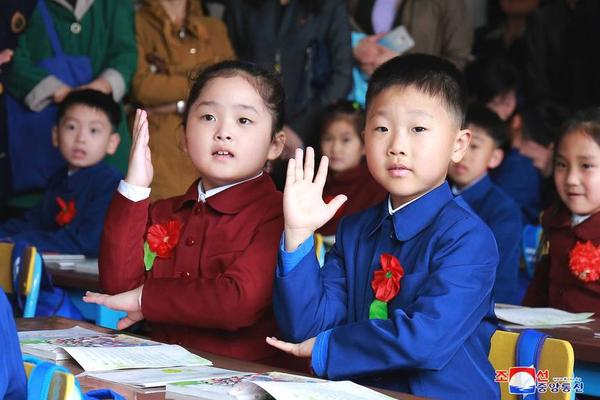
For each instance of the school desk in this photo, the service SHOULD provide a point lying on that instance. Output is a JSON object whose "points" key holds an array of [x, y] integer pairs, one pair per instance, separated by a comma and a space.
{"points": [[88, 383]]}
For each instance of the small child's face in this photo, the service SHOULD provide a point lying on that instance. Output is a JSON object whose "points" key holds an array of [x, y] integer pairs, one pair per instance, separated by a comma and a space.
{"points": [[577, 173], [228, 133], [410, 139], [84, 136], [504, 104], [481, 155], [342, 145]]}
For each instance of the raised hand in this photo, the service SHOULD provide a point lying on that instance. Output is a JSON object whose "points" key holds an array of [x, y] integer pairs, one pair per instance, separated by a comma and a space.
{"points": [[140, 170], [303, 349], [303, 207], [126, 301]]}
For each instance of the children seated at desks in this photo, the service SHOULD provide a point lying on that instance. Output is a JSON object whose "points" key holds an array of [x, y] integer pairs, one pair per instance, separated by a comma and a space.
{"points": [[200, 266], [342, 143], [404, 300], [470, 179], [567, 275], [13, 383], [70, 217]]}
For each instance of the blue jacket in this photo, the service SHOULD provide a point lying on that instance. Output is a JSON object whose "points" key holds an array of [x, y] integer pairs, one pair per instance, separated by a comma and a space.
{"points": [[521, 180], [13, 383], [92, 189], [503, 216], [437, 339]]}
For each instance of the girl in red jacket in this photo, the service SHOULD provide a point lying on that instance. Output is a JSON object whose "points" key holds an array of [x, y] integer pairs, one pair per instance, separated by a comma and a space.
{"points": [[199, 267], [568, 275], [341, 141]]}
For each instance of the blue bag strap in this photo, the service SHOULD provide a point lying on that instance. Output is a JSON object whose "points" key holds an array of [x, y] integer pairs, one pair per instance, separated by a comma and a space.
{"points": [[529, 350], [50, 28], [38, 384]]}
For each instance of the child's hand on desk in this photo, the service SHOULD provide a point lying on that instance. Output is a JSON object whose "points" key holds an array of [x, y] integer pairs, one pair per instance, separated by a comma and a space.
{"points": [[130, 302], [303, 349], [303, 207], [140, 170]]}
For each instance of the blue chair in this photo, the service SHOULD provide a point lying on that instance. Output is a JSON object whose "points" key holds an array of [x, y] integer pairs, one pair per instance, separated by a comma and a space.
{"points": [[25, 273]]}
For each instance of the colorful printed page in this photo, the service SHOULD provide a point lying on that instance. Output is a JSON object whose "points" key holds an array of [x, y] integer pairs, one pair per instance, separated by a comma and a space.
{"points": [[48, 343], [157, 377], [275, 385], [537, 317]]}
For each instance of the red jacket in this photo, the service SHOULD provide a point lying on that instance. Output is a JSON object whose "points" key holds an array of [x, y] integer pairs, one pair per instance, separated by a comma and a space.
{"points": [[362, 190], [214, 292], [553, 284]]}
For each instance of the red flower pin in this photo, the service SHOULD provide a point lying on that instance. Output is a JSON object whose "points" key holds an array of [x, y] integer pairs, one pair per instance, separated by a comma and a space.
{"points": [[385, 284], [584, 261], [67, 211], [161, 239]]}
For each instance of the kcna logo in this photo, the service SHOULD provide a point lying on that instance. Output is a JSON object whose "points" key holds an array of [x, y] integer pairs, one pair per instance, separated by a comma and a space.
{"points": [[526, 380]]}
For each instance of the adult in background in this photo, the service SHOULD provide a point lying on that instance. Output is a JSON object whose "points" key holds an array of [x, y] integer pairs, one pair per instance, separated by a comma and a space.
{"points": [[175, 41]]}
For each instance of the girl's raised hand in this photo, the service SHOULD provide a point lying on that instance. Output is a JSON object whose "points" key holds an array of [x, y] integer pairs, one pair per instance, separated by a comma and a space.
{"points": [[303, 207], [126, 301], [140, 170]]}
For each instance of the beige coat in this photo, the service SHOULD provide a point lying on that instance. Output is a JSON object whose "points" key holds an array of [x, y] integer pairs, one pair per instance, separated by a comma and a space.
{"points": [[166, 64]]}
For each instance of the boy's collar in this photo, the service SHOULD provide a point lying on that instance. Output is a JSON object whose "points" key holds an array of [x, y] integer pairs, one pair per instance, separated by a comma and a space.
{"points": [[415, 216], [475, 189], [232, 198]]}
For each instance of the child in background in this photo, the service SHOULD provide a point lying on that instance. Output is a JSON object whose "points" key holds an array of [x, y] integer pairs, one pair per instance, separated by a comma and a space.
{"points": [[70, 217], [568, 274], [204, 277], [438, 259], [342, 143], [494, 207]]}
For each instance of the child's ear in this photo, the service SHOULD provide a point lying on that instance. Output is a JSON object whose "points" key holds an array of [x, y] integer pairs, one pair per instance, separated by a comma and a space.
{"points": [[55, 136], [113, 143], [461, 144], [276, 146], [496, 158]]}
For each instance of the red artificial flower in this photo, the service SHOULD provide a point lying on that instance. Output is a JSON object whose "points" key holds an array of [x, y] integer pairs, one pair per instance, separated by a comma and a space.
{"points": [[584, 261], [162, 238], [386, 281], [67, 211]]}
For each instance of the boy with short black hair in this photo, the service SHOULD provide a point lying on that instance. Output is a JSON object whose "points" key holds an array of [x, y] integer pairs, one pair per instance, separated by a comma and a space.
{"points": [[438, 259], [70, 217], [470, 180]]}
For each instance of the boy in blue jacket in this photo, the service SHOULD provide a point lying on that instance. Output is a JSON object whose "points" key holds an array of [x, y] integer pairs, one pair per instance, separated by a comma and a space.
{"points": [[13, 383], [70, 217], [404, 300], [498, 210]]}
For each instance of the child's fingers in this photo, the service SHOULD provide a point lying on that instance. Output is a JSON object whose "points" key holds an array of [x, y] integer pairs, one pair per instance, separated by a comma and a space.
{"points": [[322, 172], [309, 164], [336, 203], [281, 345], [92, 297], [125, 322], [290, 176], [299, 171]]}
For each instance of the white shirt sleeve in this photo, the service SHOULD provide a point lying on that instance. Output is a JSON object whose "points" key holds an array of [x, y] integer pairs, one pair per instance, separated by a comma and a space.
{"points": [[133, 192]]}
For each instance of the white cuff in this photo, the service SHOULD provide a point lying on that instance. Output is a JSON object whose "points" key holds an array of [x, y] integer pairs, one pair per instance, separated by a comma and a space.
{"points": [[42, 94], [116, 81], [133, 192]]}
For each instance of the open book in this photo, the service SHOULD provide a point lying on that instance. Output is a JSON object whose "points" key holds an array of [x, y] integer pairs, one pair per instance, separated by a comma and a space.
{"points": [[273, 385], [537, 317], [96, 351]]}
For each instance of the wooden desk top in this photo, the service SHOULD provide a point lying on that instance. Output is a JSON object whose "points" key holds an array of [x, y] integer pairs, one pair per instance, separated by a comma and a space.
{"points": [[581, 336], [88, 383]]}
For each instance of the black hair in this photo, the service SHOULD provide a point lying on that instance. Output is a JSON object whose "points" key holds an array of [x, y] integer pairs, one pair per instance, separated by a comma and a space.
{"points": [[489, 122], [491, 76], [542, 122], [345, 109], [587, 120], [429, 74], [265, 82], [93, 99]]}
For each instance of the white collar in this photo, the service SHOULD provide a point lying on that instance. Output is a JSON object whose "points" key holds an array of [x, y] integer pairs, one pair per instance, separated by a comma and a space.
{"points": [[393, 210], [202, 195], [576, 219]]}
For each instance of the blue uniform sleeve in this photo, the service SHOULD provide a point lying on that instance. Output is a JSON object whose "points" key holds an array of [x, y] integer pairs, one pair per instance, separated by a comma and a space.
{"points": [[289, 260], [319, 354], [13, 383], [507, 228], [308, 299], [30, 221], [451, 303]]}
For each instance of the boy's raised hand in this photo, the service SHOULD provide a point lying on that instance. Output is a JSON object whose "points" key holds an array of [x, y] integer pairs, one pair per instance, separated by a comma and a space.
{"points": [[140, 170], [303, 207]]}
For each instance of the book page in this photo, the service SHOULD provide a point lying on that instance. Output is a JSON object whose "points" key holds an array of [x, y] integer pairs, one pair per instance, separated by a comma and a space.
{"points": [[531, 316], [48, 343]]}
